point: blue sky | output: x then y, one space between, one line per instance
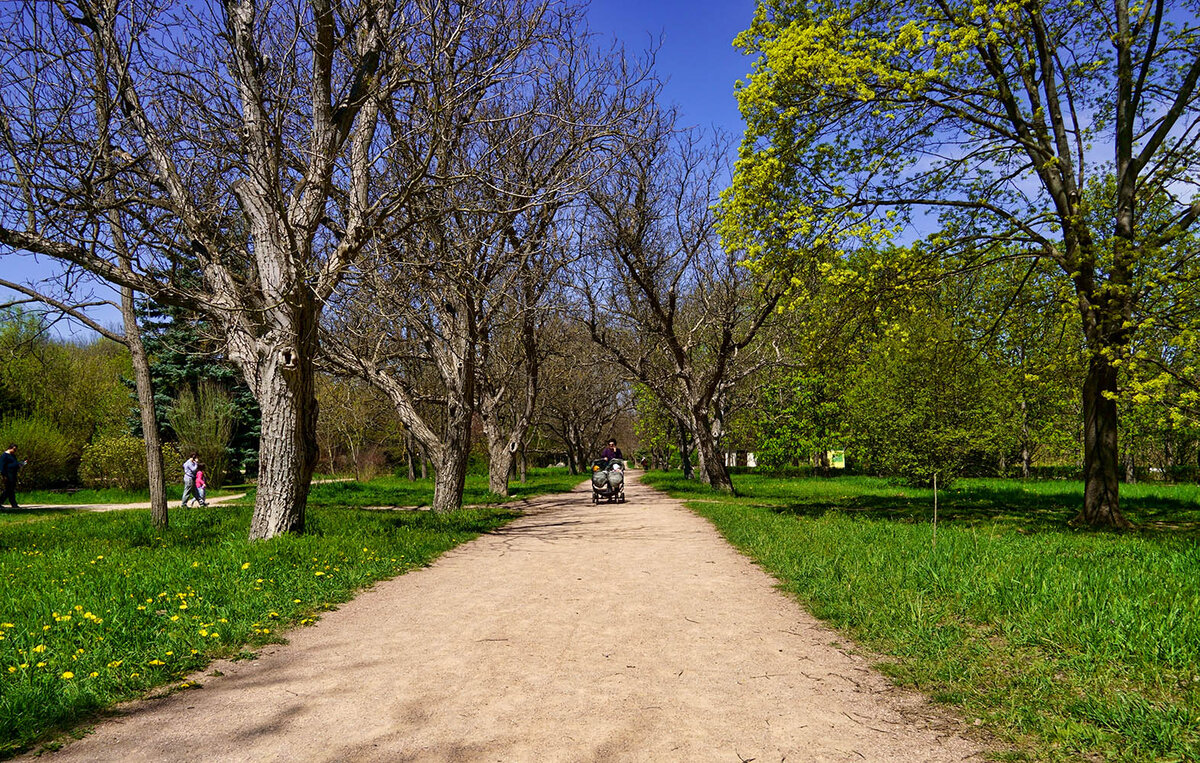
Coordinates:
697 57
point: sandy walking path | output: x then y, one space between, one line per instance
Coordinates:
624 632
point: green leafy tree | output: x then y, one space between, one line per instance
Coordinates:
862 116
923 403
800 419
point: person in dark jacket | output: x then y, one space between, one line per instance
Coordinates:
611 451
9 466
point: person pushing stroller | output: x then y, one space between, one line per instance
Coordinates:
608 475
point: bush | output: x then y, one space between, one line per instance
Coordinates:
120 461
51 455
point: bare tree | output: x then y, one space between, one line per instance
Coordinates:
584 392
664 299
223 130
525 105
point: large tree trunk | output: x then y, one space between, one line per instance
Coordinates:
500 466
1100 454
713 471
286 393
449 477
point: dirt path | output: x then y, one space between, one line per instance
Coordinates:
172 506
620 632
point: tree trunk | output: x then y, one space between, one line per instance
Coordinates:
145 393
1100 467
685 461
713 471
449 477
523 465
500 466
287 446
1026 451
408 455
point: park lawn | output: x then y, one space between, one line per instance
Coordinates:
96 608
1066 644
106 495
399 492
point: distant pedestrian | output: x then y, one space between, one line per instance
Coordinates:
9 466
189 477
201 483
611 451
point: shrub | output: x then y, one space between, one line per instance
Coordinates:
203 421
51 455
120 461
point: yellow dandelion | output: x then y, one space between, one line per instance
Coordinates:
115 663
246 566
11 669
68 675
7 625
93 674
39 648
40 665
156 662
318 573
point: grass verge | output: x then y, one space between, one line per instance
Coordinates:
96 608
1067 644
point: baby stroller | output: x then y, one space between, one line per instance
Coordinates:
608 480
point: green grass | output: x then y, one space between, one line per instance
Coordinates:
1066 644
96 608
103 495
398 492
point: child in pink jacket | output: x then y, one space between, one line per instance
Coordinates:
201 483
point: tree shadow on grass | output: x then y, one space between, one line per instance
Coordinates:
1044 509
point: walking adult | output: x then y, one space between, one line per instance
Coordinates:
189 479
9 466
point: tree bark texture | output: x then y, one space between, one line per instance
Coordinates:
1100 453
709 459
450 474
500 466
288 453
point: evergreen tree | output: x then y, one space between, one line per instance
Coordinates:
184 351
